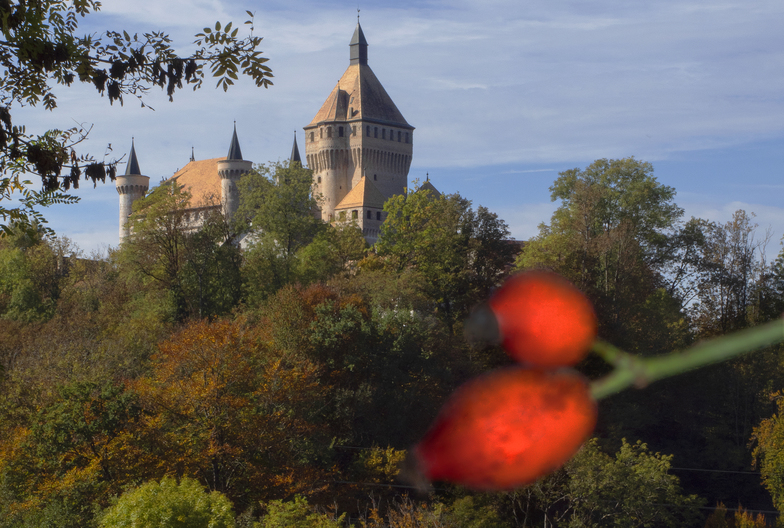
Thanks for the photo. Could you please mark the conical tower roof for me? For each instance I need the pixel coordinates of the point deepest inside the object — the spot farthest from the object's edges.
(132, 167)
(234, 149)
(359, 94)
(295, 152)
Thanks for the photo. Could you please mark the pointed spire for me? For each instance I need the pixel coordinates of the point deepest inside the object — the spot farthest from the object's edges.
(358, 46)
(132, 167)
(295, 152)
(234, 149)
(193, 157)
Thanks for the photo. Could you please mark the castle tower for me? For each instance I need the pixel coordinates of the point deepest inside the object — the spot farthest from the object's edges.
(230, 171)
(357, 132)
(131, 186)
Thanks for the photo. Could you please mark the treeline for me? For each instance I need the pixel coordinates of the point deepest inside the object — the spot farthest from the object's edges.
(291, 376)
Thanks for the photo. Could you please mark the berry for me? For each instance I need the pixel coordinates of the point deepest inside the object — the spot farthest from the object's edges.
(543, 320)
(507, 428)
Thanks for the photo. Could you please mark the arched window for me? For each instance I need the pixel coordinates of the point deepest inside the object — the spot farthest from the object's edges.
(368, 131)
(340, 131)
(311, 137)
(398, 136)
(378, 215)
(375, 132)
(319, 179)
(329, 132)
(370, 215)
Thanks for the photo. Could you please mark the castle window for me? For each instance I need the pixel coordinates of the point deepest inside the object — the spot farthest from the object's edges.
(368, 131)
(378, 215)
(321, 133)
(340, 131)
(370, 215)
(354, 215)
(329, 132)
(319, 179)
(375, 177)
(383, 133)
(398, 136)
(354, 130)
(311, 137)
(375, 132)
(406, 137)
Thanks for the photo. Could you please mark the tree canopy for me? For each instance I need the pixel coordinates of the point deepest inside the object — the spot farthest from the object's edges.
(41, 52)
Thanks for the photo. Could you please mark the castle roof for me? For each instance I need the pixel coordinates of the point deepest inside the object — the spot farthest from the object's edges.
(132, 167)
(234, 149)
(364, 194)
(200, 179)
(427, 186)
(359, 94)
(295, 152)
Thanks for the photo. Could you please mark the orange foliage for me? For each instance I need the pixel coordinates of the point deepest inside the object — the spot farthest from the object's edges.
(224, 409)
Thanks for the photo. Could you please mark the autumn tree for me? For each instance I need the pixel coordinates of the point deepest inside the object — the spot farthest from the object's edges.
(230, 413)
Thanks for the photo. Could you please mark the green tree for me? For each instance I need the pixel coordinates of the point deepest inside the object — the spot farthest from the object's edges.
(460, 253)
(40, 51)
(278, 210)
(608, 236)
(331, 252)
(297, 514)
(167, 504)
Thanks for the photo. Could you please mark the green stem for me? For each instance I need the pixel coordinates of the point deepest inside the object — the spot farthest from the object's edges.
(633, 370)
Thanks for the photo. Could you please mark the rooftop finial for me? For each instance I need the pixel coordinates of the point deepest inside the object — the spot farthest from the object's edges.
(357, 15)
(193, 157)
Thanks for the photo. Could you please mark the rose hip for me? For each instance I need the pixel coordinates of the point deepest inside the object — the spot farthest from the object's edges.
(508, 428)
(543, 320)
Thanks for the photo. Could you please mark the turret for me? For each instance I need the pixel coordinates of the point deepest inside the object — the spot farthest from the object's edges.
(230, 171)
(130, 186)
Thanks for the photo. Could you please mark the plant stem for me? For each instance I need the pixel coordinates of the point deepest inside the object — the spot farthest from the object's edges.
(633, 370)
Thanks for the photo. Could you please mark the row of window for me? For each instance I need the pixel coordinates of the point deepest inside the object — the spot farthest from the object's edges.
(355, 215)
(400, 134)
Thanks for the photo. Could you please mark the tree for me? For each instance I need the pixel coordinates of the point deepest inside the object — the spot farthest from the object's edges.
(167, 504)
(768, 453)
(460, 253)
(278, 210)
(607, 236)
(40, 51)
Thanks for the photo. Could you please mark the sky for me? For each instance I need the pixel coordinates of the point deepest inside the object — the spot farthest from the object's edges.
(504, 95)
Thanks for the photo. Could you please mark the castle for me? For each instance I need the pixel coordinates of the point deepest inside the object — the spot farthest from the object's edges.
(359, 147)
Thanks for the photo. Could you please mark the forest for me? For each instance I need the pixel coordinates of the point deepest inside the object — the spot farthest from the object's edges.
(283, 384)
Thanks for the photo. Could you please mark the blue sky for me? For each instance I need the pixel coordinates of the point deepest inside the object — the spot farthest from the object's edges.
(504, 94)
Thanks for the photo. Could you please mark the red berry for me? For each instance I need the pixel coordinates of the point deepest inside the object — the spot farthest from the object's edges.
(543, 320)
(508, 428)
